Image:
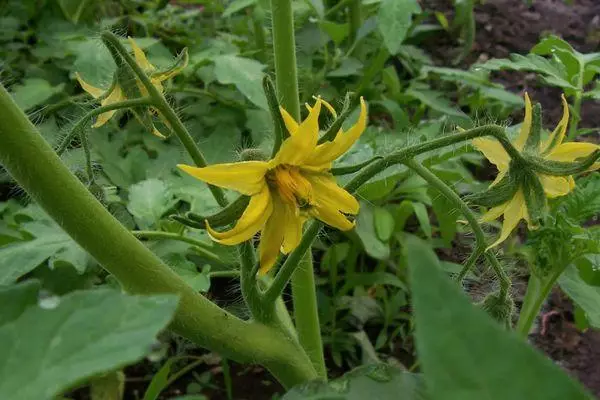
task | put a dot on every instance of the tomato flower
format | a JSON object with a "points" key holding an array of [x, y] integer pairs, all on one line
{"points": [[118, 94], [551, 149], [288, 189]]}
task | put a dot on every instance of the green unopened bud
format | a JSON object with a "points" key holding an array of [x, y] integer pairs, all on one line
{"points": [[224, 217], [563, 168], [252, 155], [501, 308]]}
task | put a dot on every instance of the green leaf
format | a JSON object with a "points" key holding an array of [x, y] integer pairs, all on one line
{"points": [[467, 355], [34, 92], [372, 279], [84, 334], [384, 223], [15, 299], [149, 200], [394, 20], [72, 9], [377, 381], [337, 32], [237, 5], [49, 241], [365, 229], [245, 74], [434, 100], [159, 381], [348, 67], [423, 217], [585, 296]]}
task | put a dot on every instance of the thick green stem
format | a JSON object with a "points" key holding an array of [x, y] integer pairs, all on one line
{"points": [[538, 290], [355, 18], [451, 195], [35, 166], [305, 310], [165, 109], [249, 285]]}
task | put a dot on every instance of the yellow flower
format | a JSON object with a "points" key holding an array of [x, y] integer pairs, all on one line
{"points": [[117, 93], [288, 189], [552, 149]]}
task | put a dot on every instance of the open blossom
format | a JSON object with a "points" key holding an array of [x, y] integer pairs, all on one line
{"points": [[288, 189], [551, 149], [117, 93]]}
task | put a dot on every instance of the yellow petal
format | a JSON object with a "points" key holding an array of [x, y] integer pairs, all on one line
{"points": [[494, 212], [247, 177], [252, 220], [140, 57], [328, 106], [499, 177], [493, 151], [525, 127], [515, 211], [272, 236], [293, 229], [571, 151], [114, 97], [555, 186], [329, 151], [93, 90], [558, 135], [327, 191], [290, 123], [301, 144]]}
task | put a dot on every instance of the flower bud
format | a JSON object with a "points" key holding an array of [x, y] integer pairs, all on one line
{"points": [[501, 308], [252, 155]]}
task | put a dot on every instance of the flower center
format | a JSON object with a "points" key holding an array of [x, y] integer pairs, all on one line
{"points": [[293, 188]]}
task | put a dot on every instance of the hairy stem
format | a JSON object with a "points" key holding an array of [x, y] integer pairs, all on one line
{"points": [[538, 289]]}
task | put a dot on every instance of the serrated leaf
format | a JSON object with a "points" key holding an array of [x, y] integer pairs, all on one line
{"points": [[377, 381], [394, 20], [434, 100], [49, 241], [585, 296], [583, 202], [245, 74], [149, 200], [34, 92], [87, 333], [467, 355]]}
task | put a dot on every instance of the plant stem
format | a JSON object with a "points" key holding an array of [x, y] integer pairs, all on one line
{"points": [[111, 41], [202, 248], [355, 19], [304, 296], [35, 166], [538, 290], [250, 291], [258, 17], [452, 196]]}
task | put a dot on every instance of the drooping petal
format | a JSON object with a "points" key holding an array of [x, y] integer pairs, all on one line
{"points": [[272, 236], [331, 216], [515, 211], [571, 151], [558, 135], [293, 229], [301, 144], [326, 152], [92, 90], [555, 186], [114, 97], [252, 220], [526, 126], [140, 57], [327, 190], [329, 205], [246, 177], [493, 151]]}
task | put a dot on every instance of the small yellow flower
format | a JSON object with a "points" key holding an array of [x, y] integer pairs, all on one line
{"points": [[552, 149], [118, 94], [288, 189]]}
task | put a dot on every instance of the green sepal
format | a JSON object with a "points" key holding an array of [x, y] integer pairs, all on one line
{"points": [[353, 168], [279, 130], [500, 193], [178, 65], [535, 198], [224, 217], [333, 130], [535, 133], [563, 168]]}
